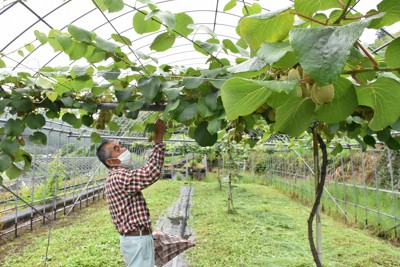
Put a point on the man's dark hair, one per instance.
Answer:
(102, 152)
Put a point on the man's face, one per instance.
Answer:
(115, 150)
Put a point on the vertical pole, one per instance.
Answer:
(252, 166)
(376, 189)
(393, 190)
(365, 186)
(318, 232)
(354, 184)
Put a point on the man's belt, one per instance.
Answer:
(137, 233)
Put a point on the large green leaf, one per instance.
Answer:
(294, 116)
(203, 137)
(114, 5)
(166, 17)
(391, 8)
(35, 121)
(308, 8)
(163, 42)
(95, 137)
(392, 53)
(272, 52)
(323, 51)
(149, 87)
(9, 146)
(38, 138)
(249, 68)
(13, 172)
(65, 41)
(2, 63)
(22, 105)
(183, 20)
(77, 51)
(269, 27)
(231, 4)
(123, 95)
(69, 118)
(14, 127)
(106, 45)
(143, 26)
(80, 34)
(344, 103)
(241, 97)
(184, 112)
(383, 97)
(204, 47)
(6, 161)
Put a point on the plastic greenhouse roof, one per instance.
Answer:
(19, 20)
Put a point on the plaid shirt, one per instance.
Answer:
(128, 208)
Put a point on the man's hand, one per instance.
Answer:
(160, 130)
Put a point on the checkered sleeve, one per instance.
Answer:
(138, 179)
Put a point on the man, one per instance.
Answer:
(128, 208)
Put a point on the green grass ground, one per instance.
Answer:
(267, 229)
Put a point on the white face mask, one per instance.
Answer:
(126, 159)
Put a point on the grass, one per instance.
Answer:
(270, 229)
(377, 223)
(267, 228)
(86, 238)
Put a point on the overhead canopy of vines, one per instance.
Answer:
(287, 70)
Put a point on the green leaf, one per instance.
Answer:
(185, 111)
(35, 121)
(323, 51)
(2, 63)
(392, 53)
(149, 87)
(249, 68)
(64, 41)
(30, 47)
(38, 138)
(113, 126)
(82, 82)
(183, 20)
(6, 161)
(391, 8)
(3, 104)
(133, 106)
(337, 149)
(172, 105)
(242, 97)
(231, 4)
(343, 105)
(308, 8)
(96, 138)
(382, 96)
(121, 39)
(203, 109)
(214, 125)
(13, 172)
(9, 146)
(269, 27)
(163, 42)
(294, 116)
(101, 5)
(114, 5)
(172, 93)
(22, 105)
(201, 27)
(77, 51)
(80, 70)
(41, 37)
(106, 45)
(166, 17)
(111, 75)
(144, 26)
(204, 47)
(90, 107)
(80, 34)
(203, 137)
(14, 127)
(272, 52)
(21, 53)
(255, 8)
(69, 118)
(87, 120)
(192, 82)
(123, 95)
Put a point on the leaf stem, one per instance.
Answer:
(308, 18)
(360, 17)
(387, 69)
(344, 12)
(367, 54)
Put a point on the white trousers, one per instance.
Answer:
(138, 251)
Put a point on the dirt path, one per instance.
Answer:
(175, 222)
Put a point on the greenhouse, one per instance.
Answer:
(199, 133)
